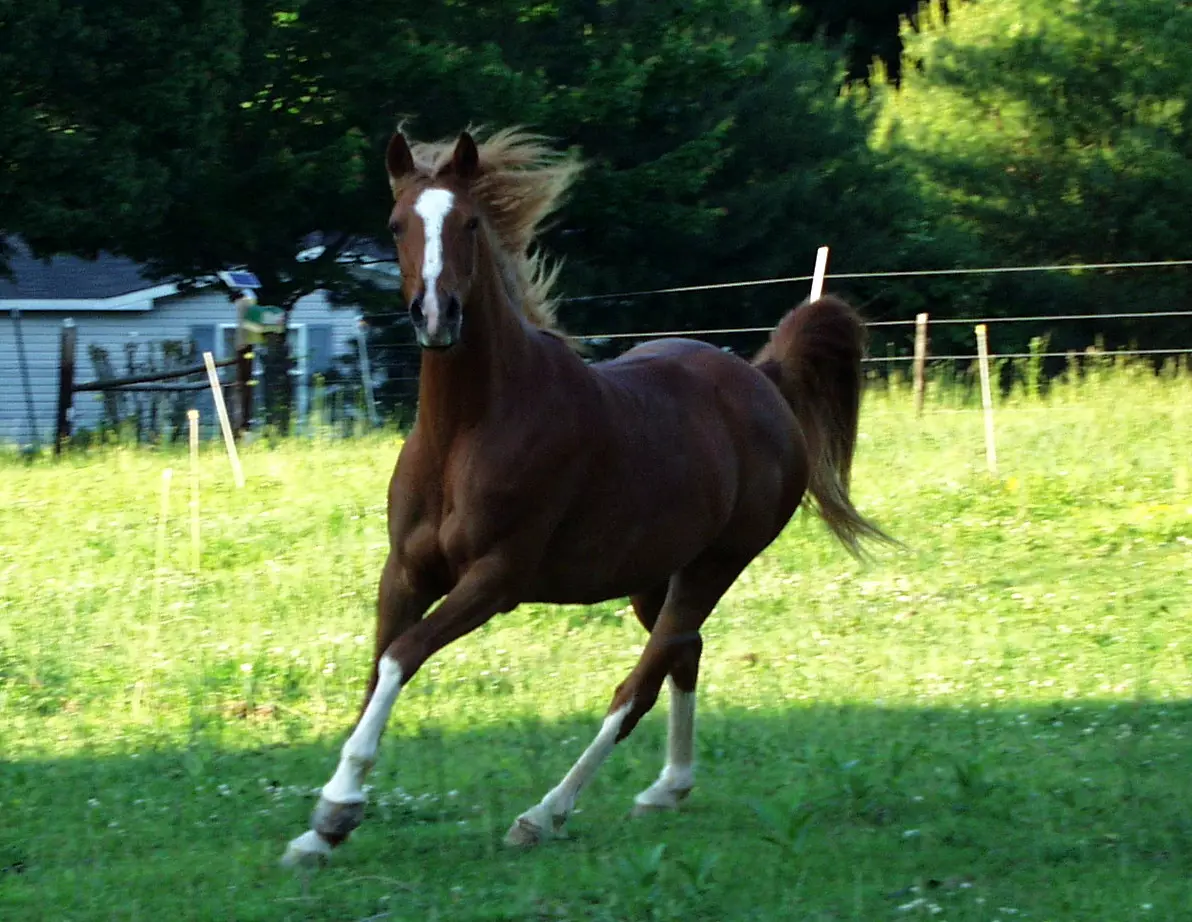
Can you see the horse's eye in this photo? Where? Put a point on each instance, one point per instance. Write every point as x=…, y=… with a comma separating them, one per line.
x=395, y=228
x=472, y=223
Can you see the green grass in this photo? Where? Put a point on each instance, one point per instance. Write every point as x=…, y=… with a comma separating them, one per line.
x=995, y=725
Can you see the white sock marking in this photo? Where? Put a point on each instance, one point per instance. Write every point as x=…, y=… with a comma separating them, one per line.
x=433, y=206
x=560, y=800
x=360, y=750
x=678, y=775
x=680, y=740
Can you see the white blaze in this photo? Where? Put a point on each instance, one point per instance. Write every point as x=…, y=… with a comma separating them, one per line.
x=432, y=207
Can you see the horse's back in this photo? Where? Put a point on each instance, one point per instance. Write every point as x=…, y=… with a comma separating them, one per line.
x=690, y=449
x=709, y=387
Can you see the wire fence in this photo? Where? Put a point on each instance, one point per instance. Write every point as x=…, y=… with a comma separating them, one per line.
x=972, y=321
x=890, y=274
x=893, y=274
x=402, y=357
x=596, y=338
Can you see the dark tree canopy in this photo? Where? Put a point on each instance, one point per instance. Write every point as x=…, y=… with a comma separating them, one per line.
x=865, y=30
x=1057, y=133
x=724, y=140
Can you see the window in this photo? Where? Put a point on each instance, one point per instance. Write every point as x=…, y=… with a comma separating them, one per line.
x=311, y=344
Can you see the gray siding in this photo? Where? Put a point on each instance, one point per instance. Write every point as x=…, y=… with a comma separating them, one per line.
x=331, y=333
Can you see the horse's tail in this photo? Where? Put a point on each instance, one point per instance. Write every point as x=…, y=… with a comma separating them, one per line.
x=814, y=356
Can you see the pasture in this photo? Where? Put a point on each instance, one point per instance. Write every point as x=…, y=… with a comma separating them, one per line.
x=994, y=725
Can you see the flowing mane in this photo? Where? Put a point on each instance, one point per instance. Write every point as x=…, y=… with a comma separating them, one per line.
x=521, y=181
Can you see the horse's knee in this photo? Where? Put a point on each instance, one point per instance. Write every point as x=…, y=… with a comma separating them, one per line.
x=640, y=697
x=684, y=665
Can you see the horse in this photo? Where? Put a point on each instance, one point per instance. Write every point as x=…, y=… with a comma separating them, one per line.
x=533, y=475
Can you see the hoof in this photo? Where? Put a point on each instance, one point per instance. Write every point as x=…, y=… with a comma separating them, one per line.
x=648, y=803
x=525, y=833
x=334, y=822
x=534, y=827
x=640, y=809
x=309, y=850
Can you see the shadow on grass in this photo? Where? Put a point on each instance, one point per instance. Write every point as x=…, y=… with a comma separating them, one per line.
x=1071, y=810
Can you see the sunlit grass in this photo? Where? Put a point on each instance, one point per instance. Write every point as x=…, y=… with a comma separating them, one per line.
x=996, y=720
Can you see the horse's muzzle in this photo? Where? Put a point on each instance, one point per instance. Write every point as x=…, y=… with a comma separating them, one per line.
x=437, y=328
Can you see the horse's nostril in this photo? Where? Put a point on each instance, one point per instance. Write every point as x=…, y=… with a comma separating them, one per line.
x=416, y=309
x=454, y=308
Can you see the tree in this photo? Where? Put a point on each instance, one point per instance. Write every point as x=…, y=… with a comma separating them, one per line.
x=1057, y=133
x=865, y=30
x=716, y=150
x=97, y=120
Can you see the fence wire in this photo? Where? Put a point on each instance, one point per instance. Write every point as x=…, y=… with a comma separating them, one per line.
x=598, y=338
x=894, y=274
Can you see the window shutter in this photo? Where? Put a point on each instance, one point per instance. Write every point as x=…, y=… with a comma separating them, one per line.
x=320, y=349
x=203, y=338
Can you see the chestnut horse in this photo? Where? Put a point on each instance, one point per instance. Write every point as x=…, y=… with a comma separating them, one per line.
x=531, y=476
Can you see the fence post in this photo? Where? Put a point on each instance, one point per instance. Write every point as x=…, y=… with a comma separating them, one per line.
x=221, y=410
x=366, y=372
x=821, y=269
x=244, y=356
x=159, y=553
x=192, y=417
x=66, y=363
x=986, y=397
x=920, y=361
x=23, y=364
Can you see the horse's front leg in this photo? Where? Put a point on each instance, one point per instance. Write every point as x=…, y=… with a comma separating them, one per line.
x=476, y=598
x=341, y=802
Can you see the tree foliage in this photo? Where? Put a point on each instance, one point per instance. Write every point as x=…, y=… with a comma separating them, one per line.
x=672, y=107
x=724, y=140
x=865, y=30
x=102, y=106
x=1056, y=133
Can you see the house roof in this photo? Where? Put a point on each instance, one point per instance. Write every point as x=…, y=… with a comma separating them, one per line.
x=63, y=278
x=113, y=283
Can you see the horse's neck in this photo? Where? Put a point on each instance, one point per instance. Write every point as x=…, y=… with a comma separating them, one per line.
x=461, y=387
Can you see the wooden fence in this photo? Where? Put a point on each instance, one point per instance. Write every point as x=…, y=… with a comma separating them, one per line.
x=67, y=387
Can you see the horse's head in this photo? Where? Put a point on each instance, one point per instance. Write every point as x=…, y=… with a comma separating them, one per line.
x=435, y=222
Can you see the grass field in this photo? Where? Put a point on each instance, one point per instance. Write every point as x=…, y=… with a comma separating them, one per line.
x=995, y=725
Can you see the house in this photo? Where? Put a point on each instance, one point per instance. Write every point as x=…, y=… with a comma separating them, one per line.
x=123, y=318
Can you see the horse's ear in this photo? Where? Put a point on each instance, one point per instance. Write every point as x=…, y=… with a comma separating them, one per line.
x=398, y=159
x=465, y=161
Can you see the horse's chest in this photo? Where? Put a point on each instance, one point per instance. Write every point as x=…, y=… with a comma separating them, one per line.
x=466, y=523
x=490, y=495
x=474, y=519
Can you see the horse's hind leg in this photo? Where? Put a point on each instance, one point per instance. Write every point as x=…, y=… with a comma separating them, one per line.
x=690, y=598
x=678, y=773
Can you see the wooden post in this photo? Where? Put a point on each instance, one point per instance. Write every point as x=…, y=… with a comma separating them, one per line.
x=821, y=269
x=221, y=408
x=159, y=556
x=366, y=372
x=192, y=417
x=23, y=365
x=920, y=361
x=986, y=397
x=66, y=363
x=244, y=393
